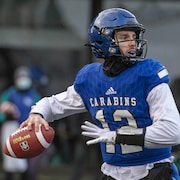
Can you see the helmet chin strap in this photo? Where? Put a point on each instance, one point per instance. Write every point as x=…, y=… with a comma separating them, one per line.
x=114, y=65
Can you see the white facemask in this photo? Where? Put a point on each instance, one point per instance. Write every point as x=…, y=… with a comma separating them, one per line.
x=23, y=83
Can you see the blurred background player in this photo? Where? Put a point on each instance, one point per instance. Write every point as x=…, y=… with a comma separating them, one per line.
x=11, y=166
x=16, y=102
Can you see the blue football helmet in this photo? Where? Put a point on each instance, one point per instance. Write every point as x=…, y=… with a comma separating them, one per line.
x=102, y=29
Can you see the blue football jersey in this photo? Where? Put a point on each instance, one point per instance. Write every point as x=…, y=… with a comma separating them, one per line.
x=118, y=101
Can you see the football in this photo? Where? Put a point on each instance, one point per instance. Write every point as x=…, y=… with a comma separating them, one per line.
x=24, y=143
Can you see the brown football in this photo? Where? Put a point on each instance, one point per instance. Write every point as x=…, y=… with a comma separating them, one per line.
x=25, y=143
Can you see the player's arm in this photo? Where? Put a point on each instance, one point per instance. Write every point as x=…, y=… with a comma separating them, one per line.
x=165, y=130
x=55, y=107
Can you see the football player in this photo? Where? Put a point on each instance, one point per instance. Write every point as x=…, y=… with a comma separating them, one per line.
x=129, y=99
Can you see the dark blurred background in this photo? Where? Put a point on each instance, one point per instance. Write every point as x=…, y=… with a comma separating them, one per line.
x=49, y=37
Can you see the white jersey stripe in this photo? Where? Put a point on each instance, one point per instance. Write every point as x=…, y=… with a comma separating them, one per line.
x=11, y=152
x=163, y=73
x=41, y=138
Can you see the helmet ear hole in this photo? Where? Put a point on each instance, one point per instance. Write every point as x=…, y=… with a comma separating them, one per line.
x=99, y=42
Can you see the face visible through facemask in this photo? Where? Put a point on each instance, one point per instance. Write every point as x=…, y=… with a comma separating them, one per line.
x=127, y=42
x=23, y=83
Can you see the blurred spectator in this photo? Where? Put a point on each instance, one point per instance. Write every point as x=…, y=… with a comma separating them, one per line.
x=16, y=102
x=11, y=166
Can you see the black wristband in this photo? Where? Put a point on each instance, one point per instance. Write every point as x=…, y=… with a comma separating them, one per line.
x=131, y=139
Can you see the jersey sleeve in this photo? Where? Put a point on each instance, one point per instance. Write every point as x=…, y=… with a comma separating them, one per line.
x=60, y=105
x=166, y=120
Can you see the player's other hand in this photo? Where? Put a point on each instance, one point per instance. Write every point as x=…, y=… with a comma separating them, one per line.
x=35, y=119
x=98, y=134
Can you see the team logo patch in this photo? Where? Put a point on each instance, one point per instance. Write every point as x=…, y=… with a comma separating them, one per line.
x=24, y=145
x=110, y=91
